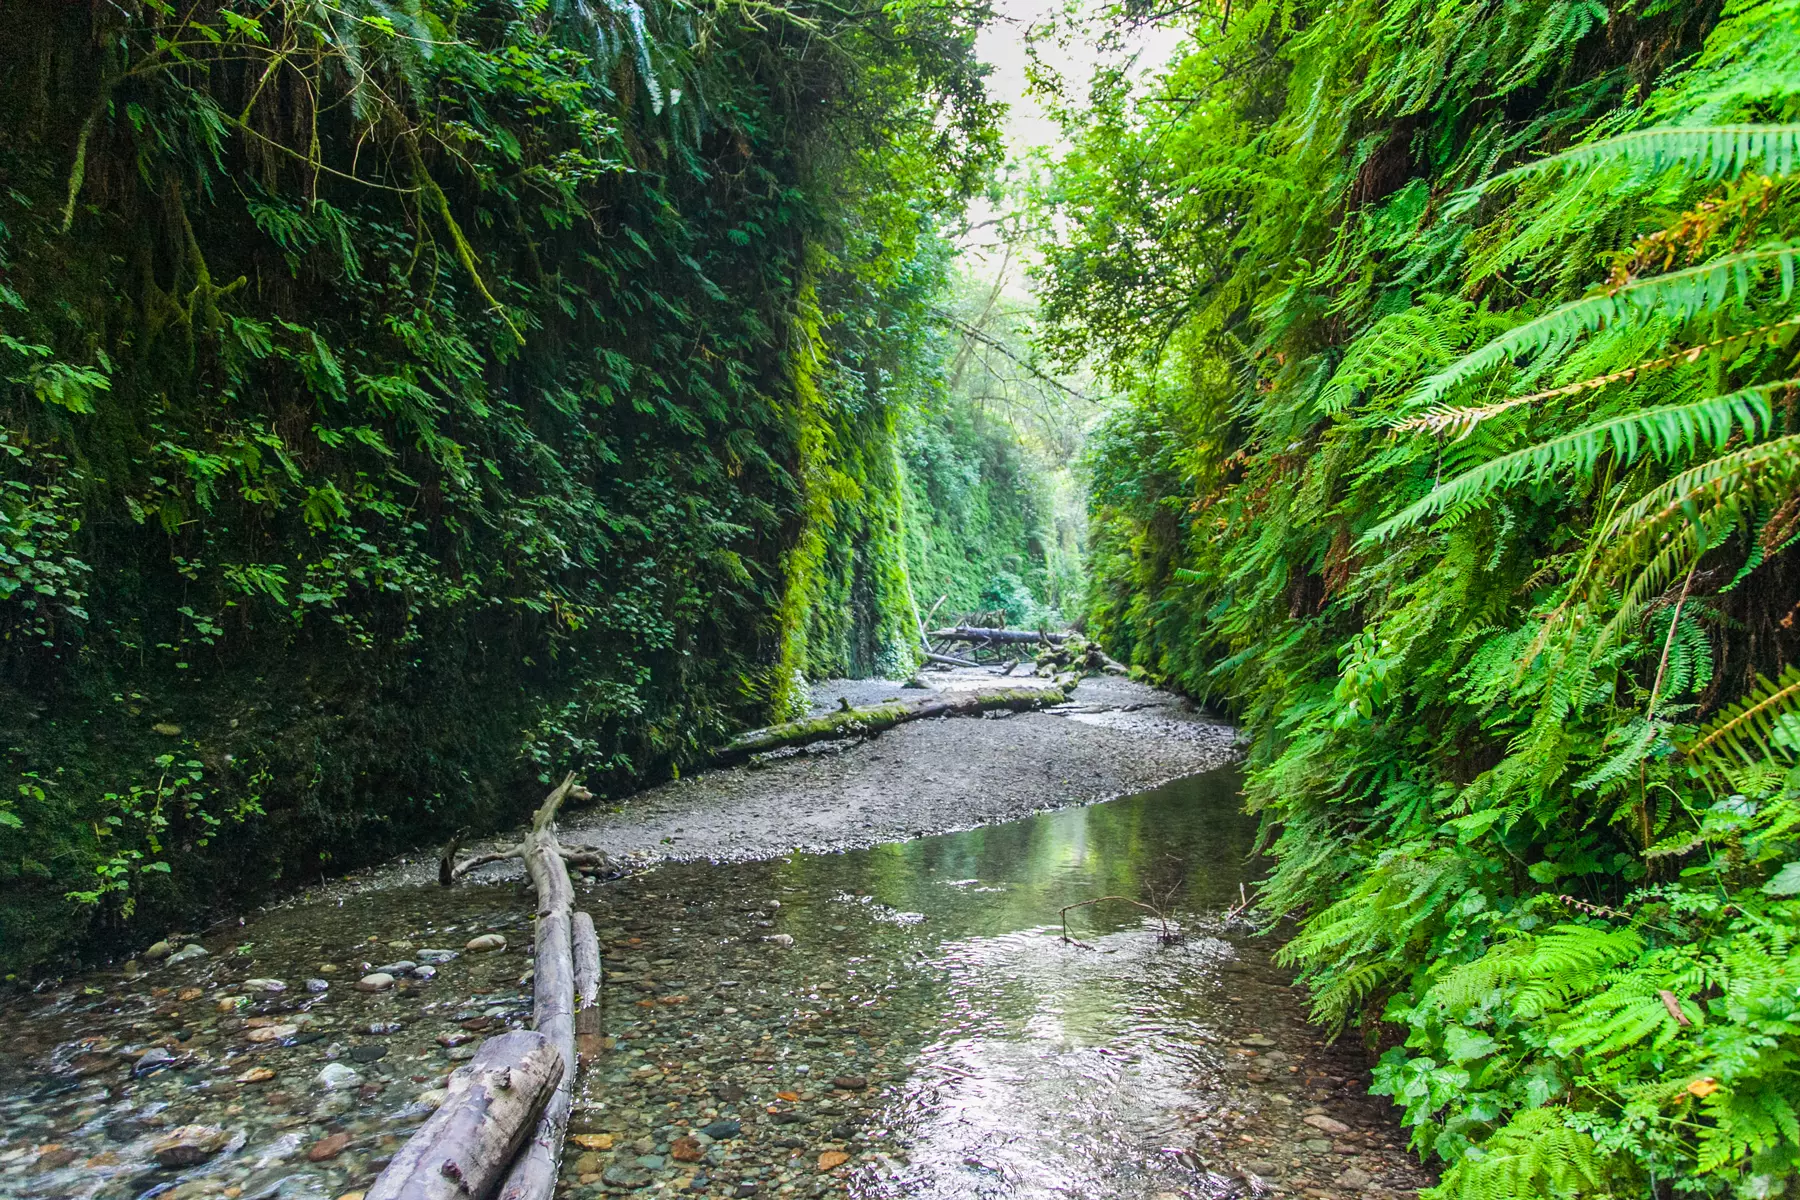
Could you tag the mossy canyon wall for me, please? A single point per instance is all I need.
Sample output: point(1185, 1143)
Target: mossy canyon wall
point(402, 401)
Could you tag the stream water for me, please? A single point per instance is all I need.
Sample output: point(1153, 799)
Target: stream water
point(904, 1020)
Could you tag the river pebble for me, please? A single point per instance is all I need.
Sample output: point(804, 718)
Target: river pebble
point(337, 1076)
point(189, 1144)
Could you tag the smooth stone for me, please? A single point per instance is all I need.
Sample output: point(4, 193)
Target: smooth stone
point(326, 1149)
point(337, 1075)
point(379, 981)
point(396, 968)
point(272, 1033)
point(367, 1054)
point(1354, 1178)
point(187, 954)
point(1318, 1145)
point(380, 1027)
point(850, 1083)
point(486, 942)
point(187, 1145)
point(317, 985)
point(265, 985)
point(1325, 1124)
point(427, 971)
point(159, 950)
point(461, 1054)
point(438, 956)
point(650, 1162)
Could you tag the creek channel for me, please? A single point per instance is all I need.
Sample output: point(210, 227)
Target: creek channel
point(896, 1020)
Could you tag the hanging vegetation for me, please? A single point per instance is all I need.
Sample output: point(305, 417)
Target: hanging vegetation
point(1460, 458)
point(403, 398)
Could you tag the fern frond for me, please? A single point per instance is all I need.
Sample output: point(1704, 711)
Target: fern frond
point(1460, 420)
point(1396, 347)
point(1333, 1003)
point(1744, 1121)
point(1534, 1154)
point(1678, 295)
point(1742, 732)
point(1659, 536)
point(1708, 152)
point(1665, 433)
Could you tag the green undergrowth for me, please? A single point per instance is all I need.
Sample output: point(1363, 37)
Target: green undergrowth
point(1460, 456)
point(404, 401)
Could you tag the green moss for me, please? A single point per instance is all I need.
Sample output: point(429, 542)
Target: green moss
point(384, 465)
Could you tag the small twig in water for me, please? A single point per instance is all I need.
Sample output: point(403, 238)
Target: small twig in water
point(1161, 917)
point(1231, 914)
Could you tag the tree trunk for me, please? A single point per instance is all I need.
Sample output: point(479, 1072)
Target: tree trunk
point(857, 722)
point(464, 1147)
point(533, 1176)
point(587, 989)
point(967, 633)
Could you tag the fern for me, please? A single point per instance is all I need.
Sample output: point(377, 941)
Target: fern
point(1674, 295)
point(1539, 973)
point(1708, 152)
point(1743, 732)
point(1537, 1153)
point(1457, 421)
point(1664, 433)
point(1395, 348)
point(1659, 536)
point(1745, 1121)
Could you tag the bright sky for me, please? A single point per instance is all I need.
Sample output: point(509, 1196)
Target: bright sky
point(1002, 44)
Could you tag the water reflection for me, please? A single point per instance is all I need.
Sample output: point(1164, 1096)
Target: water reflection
point(1056, 1069)
point(902, 1021)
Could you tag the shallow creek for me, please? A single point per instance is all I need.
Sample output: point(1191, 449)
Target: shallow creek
point(903, 1020)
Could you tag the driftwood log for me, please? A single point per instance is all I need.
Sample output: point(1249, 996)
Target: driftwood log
point(967, 633)
point(533, 1176)
point(859, 722)
point(465, 1147)
point(950, 660)
point(530, 1174)
point(587, 989)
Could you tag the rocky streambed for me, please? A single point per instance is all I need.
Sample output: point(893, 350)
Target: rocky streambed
point(901, 1018)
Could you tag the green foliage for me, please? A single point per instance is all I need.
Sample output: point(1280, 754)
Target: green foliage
point(403, 400)
point(1458, 457)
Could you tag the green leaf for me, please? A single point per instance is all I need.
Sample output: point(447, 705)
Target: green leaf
point(1786, 881)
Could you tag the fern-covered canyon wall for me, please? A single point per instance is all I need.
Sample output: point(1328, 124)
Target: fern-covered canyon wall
point(1459, 456)
point(402, 400)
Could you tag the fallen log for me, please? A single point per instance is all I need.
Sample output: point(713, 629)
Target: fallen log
point(860, 722)
point(464, 1147)
point(966, 633)
point(587, 989)
point(950, 661)
point(533, 1175)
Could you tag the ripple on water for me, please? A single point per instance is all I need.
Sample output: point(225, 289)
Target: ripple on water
point(906, 1021)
